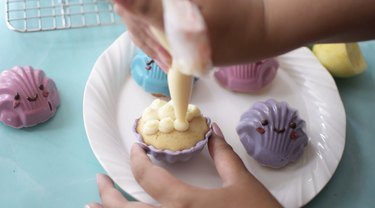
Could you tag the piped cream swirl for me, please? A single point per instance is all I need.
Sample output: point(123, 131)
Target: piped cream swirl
point(160, 117)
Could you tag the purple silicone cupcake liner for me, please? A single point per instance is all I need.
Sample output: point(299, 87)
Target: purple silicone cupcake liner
point(173, 156)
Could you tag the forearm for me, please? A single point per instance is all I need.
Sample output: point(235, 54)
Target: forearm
point(235, 29)
point(248, 30)
point(293, 23)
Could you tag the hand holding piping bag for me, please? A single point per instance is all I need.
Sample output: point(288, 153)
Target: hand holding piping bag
point(247, 31)
point(187, 36)
point(187, 40)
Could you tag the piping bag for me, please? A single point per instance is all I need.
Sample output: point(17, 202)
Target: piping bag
point(187, 41)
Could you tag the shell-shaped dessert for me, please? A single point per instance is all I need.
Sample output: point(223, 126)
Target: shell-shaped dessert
point(27, 97)
point(272, 133)
point(247, 77)
point(147, 74)
point(169, 155)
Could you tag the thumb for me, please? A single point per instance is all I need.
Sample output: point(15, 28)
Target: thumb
point(150, 11)
point(228, 164)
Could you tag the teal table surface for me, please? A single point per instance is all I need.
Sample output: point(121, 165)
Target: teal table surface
point(52, 164)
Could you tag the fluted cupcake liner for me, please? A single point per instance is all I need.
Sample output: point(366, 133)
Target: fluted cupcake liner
point(249, 77)
point(169, 155)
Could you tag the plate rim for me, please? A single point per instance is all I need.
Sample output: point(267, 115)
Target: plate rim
point(108, 169)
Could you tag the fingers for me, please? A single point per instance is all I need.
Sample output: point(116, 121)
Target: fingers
point(228, 164)
point(156, 181)
point(110, 196)
point(94, 205)
point(163, 66)
point(141, 35)
point(163, 56)
point(137, 31)
point(144, 40)
point(152, 11)
point(136, 205)
point(151, 47)
point(141, 41)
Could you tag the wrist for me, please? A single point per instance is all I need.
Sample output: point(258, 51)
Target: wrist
point(239, 35)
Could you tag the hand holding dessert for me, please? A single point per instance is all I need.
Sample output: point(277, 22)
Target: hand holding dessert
point(239, 187)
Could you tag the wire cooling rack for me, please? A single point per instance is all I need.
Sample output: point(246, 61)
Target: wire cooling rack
point(45, 15)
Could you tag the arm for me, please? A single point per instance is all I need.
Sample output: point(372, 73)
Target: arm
point(293, 23)
point(248, 30)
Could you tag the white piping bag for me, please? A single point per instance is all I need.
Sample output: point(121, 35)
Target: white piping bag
point(187, 37)
point(187, 41)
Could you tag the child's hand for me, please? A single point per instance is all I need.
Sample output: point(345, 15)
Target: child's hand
point(236, 29)
point(247, 30)
point(239, 188)
point(139, 31)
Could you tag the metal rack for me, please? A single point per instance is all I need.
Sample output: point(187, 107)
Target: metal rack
point(46, 15)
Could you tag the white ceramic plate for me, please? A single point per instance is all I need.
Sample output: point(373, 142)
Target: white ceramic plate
point(112, 101)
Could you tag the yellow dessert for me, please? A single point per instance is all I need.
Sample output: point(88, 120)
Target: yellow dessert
point(158, 128)
point(341, 59)
point(176, 140)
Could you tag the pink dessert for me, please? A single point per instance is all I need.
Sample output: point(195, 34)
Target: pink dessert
point(247, 77)
point(27, 97)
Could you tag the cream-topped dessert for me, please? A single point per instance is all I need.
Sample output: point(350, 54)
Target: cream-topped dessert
point(158, 131)
point(158, 127)
point(160, 117)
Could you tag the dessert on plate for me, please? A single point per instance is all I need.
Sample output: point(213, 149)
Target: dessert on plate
point(272, 133)
point(158, 132)
point(147, 74)
point(249, 77)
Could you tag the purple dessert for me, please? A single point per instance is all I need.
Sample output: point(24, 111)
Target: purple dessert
point(27, 97)
point(272, 133)
point(247, 77)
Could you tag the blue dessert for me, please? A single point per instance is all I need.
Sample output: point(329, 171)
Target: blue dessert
point(147, 74)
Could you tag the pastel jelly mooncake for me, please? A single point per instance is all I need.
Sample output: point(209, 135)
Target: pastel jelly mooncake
point(157, 133)
point(147, 74)
point(247, 77)
point(27, 97)
point(272, 133)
